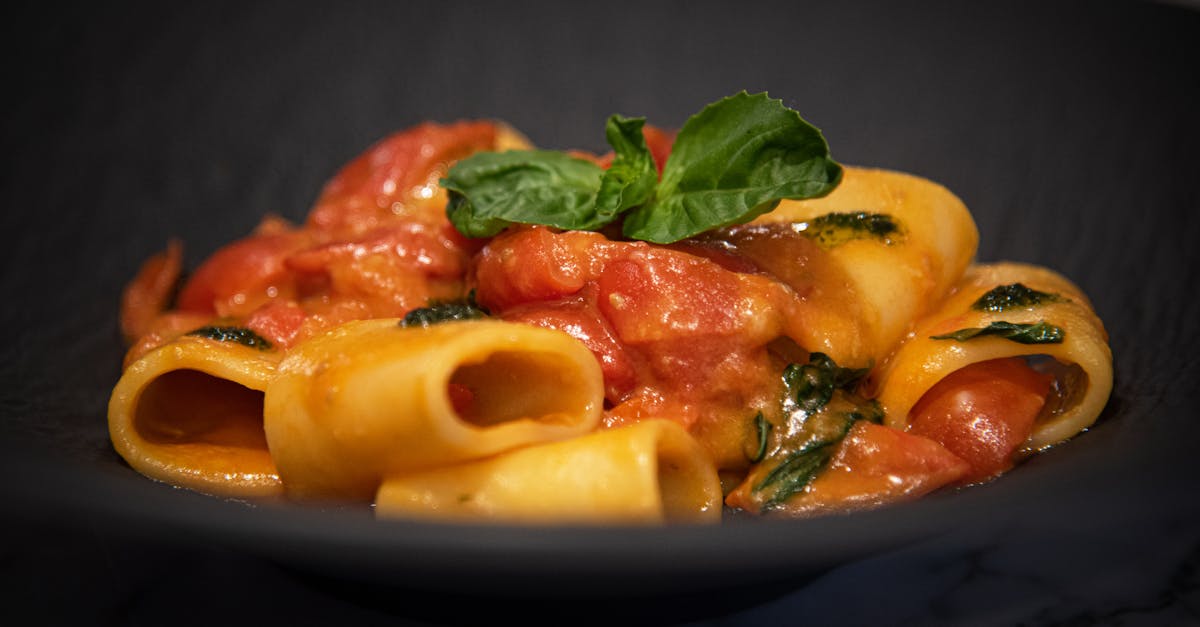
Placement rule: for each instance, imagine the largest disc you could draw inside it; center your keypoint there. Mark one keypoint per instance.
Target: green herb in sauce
(1011, 296)
(437, 312)
(240, 335)
(1024, 333)
(819, 408)
(835, 229)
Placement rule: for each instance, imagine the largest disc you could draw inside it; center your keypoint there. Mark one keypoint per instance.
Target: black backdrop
(1070, 129)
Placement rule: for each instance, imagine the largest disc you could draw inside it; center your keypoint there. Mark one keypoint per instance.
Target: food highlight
(718, 319)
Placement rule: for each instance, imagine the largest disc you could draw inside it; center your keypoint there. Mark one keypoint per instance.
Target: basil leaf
(820, 407)
(811, 386)
(238, 335)
(834, 229)
(1037, 333)
(445, 311)
(730, 163)
(631, 178)
(491, 190)
(1013, 295)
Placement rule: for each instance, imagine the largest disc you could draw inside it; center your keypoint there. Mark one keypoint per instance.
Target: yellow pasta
(1084, 360)
(652, 472)
(871, 286)
(190, 413)
(371, 399)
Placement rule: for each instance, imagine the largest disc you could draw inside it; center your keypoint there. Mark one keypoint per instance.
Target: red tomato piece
(147, 294)
(244, 275)
(277, 322)
(398, 176)
(535, 265)
(983, 413)
(580, 319)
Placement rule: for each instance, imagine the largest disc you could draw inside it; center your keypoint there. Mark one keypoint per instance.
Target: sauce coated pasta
(712, 319)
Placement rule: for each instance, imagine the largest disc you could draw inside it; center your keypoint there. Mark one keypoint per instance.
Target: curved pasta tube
(371, 399)
(867, 287)
(651, 472)
(1083, 360)
(190, 413)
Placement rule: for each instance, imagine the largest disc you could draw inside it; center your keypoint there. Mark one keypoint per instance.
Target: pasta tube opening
(372, 399)
(191, 413)
(511, 385)
(193, 407)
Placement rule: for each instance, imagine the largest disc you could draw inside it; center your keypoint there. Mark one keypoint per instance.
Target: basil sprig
(730, 163)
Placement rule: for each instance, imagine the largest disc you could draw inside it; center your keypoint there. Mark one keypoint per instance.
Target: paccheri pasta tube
(879, 251)
(371, 399)
(190, 413)
(652, 472)
(1000, 312)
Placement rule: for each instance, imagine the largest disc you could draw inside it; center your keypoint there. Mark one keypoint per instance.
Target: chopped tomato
(244, 275)
(874, 465)
(398, 177)
(147, 295)
(278, 322)
(535, 265)
(579, 318)
(983, 413)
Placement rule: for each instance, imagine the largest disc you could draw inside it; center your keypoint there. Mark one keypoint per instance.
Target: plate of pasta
(458, 299)
(701, 325)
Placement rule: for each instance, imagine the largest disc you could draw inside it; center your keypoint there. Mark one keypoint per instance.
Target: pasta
(466, 328)
(369, 400)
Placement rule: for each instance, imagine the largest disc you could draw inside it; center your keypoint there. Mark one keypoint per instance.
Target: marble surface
(1070, 129)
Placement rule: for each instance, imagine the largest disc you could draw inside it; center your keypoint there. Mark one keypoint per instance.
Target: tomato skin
(397, 178)
(579, 318)
(874, 465)
(277, 322)
(535, 264)
(983, 413)
(147, 295)
(244, 275)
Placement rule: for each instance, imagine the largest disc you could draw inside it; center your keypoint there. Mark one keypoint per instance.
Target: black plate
(1070, 130)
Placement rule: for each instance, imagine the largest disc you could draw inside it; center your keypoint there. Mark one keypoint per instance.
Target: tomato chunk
(147, 295)
(983, 413)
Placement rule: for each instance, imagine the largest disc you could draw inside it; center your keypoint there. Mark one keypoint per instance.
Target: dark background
(1070, 130)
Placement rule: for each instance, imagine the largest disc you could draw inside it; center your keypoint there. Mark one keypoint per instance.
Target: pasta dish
(715, 319)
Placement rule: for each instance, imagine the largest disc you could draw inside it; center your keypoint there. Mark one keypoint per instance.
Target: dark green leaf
(811, 386)
(436, 313)
(731, 162)
(763, 427)
(1013, 295)
(491, 190)
(239, 335)
(1037, 333)
(631, 178)
(835, 229)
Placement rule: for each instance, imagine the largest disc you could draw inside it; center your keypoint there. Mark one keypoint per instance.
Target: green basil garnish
(730, 163)
(1024, 333)
(239, 335)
